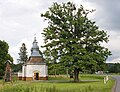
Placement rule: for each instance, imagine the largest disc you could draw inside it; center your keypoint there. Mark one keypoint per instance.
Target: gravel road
(117, 85)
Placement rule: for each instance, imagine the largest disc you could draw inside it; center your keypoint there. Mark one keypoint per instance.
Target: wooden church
(35, 67)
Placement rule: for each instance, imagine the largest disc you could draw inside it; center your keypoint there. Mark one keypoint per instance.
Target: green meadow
(88, 83)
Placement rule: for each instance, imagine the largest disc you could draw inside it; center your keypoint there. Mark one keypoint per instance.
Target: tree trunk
(76, 75)
(55, 72)
(67, 72)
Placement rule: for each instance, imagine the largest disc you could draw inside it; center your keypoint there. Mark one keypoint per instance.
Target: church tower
(35, 67)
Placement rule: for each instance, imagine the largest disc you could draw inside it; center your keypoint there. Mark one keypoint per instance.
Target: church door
(36, 76)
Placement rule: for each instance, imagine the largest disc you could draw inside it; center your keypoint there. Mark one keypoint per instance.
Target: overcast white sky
(20, 20)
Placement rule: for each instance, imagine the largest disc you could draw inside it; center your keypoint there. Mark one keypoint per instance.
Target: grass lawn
(88, 83)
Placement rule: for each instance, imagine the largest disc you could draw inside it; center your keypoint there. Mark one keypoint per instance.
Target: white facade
(29, 70)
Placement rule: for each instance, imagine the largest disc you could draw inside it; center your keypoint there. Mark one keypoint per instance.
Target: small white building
(35, 68)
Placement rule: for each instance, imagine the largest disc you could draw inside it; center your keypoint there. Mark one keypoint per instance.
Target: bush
(1, 77)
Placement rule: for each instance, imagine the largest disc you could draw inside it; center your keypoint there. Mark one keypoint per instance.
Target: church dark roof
(36, 60)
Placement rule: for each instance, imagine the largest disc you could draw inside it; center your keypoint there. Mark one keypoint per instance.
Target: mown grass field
(88, 83)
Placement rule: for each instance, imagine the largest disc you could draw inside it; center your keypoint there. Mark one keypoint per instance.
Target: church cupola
(35, 52)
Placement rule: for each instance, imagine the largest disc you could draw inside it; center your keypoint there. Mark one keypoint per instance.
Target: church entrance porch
(36, 75)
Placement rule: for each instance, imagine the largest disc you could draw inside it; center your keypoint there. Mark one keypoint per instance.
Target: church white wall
(31, 69)
(23, 71)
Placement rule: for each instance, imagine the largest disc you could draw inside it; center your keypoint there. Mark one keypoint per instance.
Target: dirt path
(117, 85)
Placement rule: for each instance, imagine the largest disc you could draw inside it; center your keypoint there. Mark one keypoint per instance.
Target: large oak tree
(73, 39)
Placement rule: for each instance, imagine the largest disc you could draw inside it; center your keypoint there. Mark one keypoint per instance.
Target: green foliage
(113, 68)
(73, 39)
(23, 54)
(4, 56)
(22, 58)
(56, 69)
(17, 67)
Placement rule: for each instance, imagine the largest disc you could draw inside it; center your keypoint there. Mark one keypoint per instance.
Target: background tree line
(113, 68)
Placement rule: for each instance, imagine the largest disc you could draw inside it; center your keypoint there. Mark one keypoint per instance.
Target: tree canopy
(22, 57)
(4, 56)
(23, 54)
(73, 39)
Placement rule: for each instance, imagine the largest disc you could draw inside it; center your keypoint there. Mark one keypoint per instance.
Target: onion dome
(35, 52)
